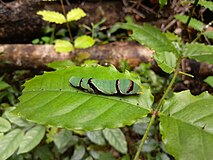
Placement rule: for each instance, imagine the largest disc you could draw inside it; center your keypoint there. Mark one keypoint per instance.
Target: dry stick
(155, 112)
(68, 27)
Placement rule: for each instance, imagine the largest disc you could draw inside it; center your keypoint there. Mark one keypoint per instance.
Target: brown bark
(36, 56)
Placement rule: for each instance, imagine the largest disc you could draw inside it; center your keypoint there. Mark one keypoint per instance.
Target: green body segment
(85, 85)
(75, 81)
(128, 87)
(124, 85)
(105, 86)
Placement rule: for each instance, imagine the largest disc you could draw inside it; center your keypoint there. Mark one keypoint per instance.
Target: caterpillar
(106, 87)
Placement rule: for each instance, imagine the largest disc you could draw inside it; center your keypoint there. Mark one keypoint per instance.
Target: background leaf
(194, 23)
(4, 125)
(199, 52)
(78, 153)
(206, 4)
(209, 80)
(166, 61)
(31, 139)
(64, 139)
(75, 14)
(84, 42)
(63, 46)
(186, 125)
(208, 34)
(162, 3)
(10, 142)
(61, 105)
(148, 35)
(116, 138)
(58, 65)
(96, 137)
(3, 85)
(52, 16)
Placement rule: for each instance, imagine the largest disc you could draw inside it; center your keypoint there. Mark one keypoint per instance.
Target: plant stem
(68, 27)
(155, 112)
(145, 136)
(191, 13)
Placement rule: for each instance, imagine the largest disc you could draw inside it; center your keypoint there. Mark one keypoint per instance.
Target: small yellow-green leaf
(52, 16)
(75, 14)
(63, 46)
(84, 42)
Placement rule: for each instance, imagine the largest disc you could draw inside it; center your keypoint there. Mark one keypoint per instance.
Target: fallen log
(28, 56)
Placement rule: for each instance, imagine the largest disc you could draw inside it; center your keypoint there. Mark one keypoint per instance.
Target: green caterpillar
(106, 87)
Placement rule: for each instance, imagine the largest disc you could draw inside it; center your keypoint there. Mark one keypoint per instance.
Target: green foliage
(194, 23)
(84, 42)
(209, 80)
(75, 113)
(208, 34)
(206, 4)
(166, 60)
(116, 138)
(63, 46)
(52, 16)
(58, 65)
(18, 135)
(4, 125)
(166, 52)
(163, 3)
(10, 142)
(186, 124)
(75, 14)
(199, 52)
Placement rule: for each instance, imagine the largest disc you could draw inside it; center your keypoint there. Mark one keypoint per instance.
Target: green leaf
(209, 80)
(61, 105)
(10, 142)
(208, 34)
(116, 138)
(78, 153)
(194, 23)
(4, 125)
(3, 85)
(186, 125)
(63, 46)
(84, 42)
(52, 16)
(31, 139)
(199, 52)
(64, 139)
(58, 65)
(75, 14)
(149, 36)
(17, 120)
(166, 61)
(206, 4)
(162, 3)
(96, 137)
